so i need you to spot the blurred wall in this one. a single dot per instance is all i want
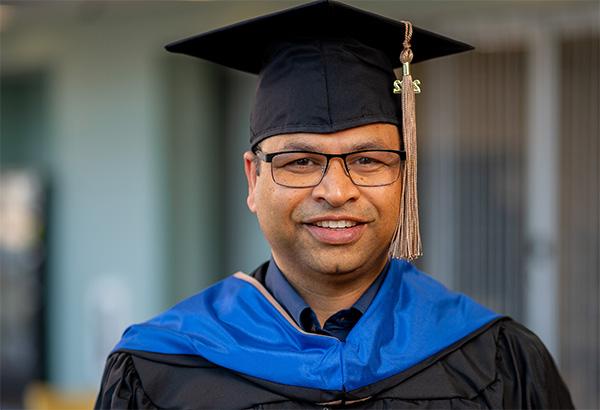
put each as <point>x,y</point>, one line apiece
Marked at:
<point>141,152</point>
<point>130,142</point>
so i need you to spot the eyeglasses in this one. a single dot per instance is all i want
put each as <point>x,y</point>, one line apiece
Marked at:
<point>305,169</point>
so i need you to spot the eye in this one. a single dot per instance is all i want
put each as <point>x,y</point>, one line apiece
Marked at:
<point>373,161</point>
<point>299,162</point>
<point>366,161</point>
<point>302,162</point>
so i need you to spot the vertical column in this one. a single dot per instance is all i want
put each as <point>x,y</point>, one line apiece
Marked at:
<point>245,246</point>
<point>107,256</point>
<point>437,170</point>
<point>542,188</point>
<point>193,145</point>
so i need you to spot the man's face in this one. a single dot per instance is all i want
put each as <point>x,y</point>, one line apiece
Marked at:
<point>293,219</point>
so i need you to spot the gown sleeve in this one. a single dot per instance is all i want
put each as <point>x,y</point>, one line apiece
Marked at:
<point>528,373</point>
<point>121,387</point>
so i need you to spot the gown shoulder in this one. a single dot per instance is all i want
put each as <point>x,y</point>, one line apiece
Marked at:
<point>529,375</point>
<point>121,387</point>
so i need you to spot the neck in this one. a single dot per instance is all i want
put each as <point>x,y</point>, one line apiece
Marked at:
<point>328,293</point>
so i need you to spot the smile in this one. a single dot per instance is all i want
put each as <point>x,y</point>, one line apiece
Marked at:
<point>335,224</point>
<point>336,232</point>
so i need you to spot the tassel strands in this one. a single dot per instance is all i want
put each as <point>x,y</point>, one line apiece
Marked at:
<point>406,243</point>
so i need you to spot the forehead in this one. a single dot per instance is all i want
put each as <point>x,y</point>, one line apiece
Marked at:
<point>372,136</point>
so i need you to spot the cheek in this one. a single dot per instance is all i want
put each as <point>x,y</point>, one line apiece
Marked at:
<point>275,212</point>
<point>274,206</point>
<point>388,203</point>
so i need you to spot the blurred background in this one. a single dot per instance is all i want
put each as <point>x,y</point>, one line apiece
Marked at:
<point>122,188</point>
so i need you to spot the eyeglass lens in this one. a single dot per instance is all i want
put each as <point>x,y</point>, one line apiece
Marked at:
<point>305,169</point>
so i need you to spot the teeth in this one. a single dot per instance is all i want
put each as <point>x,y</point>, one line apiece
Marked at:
<point>335,224</point>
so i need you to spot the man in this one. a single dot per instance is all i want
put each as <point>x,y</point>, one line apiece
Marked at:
<point>335,318</point>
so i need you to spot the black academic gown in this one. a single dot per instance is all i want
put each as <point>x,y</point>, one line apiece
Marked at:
<point>498,364</point>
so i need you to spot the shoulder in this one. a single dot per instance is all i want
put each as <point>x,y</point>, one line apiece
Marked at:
<point>513,334</point>
<point>121,386</point>
<point>530,377</point>
<point>152,380</point>
<point>521,348</point>
<point>500,365</point>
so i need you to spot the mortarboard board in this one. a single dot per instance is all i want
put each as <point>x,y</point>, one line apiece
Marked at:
<point>325,67</point>
<point>242,46</point>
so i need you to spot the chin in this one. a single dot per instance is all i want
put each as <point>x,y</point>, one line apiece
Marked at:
<point>338,262</point>
<point>334,268</point>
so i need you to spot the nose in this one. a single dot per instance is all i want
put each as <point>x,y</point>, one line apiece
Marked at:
<point>336,188</point>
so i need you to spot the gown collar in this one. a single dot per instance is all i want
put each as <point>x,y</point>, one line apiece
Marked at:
<point>238,325</point>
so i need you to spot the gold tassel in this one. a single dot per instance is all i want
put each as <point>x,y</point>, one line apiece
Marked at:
<point>406,243</point>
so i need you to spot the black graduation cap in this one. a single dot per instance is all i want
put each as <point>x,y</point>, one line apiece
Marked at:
<point>324,67</point>
<point>308,94</point>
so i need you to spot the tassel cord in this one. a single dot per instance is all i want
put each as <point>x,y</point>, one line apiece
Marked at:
<point>406,242</point>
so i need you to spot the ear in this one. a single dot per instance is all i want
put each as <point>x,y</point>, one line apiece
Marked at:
<point>251,176</point>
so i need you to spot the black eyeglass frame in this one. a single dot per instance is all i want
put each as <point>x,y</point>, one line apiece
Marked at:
<point>268,157</point>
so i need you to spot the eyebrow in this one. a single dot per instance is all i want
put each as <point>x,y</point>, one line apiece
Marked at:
<point>368,145</point>
<point>302,146</point>
<point>297,146</point>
